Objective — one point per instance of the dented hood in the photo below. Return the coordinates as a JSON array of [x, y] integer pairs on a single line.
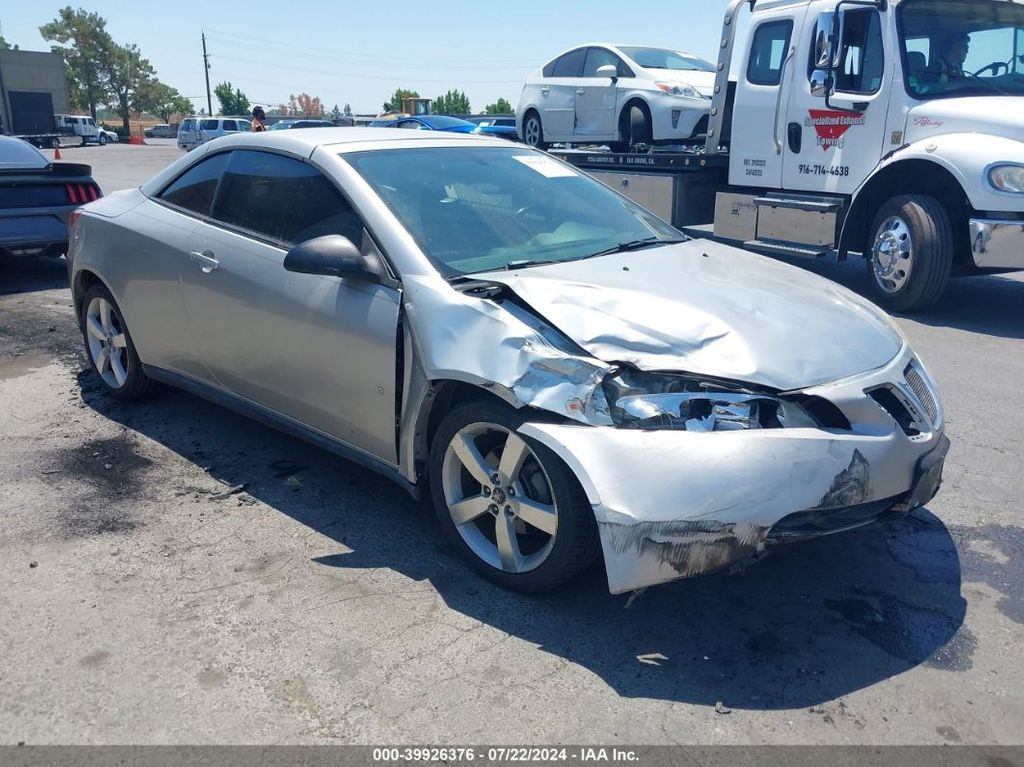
[[710, 309]]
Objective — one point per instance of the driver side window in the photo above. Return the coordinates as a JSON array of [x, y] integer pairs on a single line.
[[861, 56]]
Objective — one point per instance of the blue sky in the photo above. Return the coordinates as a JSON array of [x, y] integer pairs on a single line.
[[358, 53]]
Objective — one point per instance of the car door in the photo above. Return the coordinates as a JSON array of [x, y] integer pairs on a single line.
[[319, 350], [558, 96], [833, 148], [596, 97], [759, 121]]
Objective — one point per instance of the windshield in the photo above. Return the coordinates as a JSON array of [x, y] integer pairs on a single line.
[[963, 48], [659, 58], [441, 121], [475, 209]]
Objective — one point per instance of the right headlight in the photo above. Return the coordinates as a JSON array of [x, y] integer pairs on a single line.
[[640, 400], [679, 89], [1007, 178]]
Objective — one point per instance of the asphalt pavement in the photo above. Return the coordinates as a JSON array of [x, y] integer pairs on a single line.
[[175, 573]]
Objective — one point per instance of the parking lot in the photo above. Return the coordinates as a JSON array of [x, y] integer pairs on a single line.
[[175, 573]]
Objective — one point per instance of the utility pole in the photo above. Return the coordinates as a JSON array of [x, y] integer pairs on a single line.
[[206, 71]]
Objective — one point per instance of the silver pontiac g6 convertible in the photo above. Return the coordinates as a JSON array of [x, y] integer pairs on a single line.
[[561, 371]]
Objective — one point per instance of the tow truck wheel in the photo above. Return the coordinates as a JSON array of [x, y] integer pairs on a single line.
[[910, 253], [533, 131]]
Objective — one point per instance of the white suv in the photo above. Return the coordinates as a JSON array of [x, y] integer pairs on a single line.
[[621, 95], [194, 131]]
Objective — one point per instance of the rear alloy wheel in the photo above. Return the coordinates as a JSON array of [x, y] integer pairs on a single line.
[[510, 505], [533, 131], [910, 254], [109, 344]]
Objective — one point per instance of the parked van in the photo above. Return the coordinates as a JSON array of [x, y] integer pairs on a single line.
[[80, 126], [163, 130], [194, 131]]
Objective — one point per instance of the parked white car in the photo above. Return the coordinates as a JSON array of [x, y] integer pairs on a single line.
[[195, 131], [622, 95], [108, 136]]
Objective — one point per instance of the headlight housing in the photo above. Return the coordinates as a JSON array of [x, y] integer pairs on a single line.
[[679, 89], [1007, 178], [649, 401]]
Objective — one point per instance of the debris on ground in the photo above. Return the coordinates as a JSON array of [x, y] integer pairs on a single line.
[[234, 490], [720, 708]]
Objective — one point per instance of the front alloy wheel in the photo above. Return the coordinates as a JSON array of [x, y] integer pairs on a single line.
[[892, 258], [511, 507]]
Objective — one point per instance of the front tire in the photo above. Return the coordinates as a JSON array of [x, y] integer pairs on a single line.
[[910, 253], [110, 348], [640, 130], [533, 131], [103, 140], [510, 506]]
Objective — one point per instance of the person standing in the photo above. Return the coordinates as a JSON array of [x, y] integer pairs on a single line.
[[259, 120]]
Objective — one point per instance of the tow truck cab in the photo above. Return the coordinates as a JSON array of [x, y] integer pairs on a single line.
[[892, 129]]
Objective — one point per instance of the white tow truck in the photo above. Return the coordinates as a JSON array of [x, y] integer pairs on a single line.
[[889, 129]]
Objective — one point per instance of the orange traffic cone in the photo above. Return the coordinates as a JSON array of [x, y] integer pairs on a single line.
[[56, 152]]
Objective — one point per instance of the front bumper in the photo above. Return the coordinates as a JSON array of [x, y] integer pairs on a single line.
[[997, 244], [673, 504], [676, 118]]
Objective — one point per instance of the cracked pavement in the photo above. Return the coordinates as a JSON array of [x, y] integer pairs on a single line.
[[144, 602]]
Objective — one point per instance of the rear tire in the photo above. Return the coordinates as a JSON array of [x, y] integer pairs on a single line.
[[509, 505], [110, 348], [910, 254], [533, 131]]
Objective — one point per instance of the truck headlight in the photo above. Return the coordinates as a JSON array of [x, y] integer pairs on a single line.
[[679, 89], [649, 401], [1007, 178]]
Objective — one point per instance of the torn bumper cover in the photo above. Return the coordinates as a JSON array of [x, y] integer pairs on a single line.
[[673, 504]]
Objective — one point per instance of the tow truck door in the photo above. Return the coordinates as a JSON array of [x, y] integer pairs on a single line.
[[832, 148], [762, 80]]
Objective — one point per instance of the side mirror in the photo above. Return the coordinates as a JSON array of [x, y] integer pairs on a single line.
[[821, 83], [334, 256], [608, 70]]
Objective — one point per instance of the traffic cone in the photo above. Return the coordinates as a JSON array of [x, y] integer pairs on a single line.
[[56, 152]]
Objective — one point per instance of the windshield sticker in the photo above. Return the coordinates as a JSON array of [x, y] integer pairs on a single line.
[[831, 126], [546, 166]]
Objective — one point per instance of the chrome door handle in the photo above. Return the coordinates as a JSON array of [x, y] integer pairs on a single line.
[[545, 91], [205, 260], [580, 91]]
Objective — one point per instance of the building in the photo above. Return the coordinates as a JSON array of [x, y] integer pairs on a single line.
[[33, 88]]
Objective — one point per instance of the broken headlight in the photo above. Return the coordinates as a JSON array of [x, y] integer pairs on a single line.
[[640, 400]]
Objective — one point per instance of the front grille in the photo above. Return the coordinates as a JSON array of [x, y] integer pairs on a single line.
[[924, 395]]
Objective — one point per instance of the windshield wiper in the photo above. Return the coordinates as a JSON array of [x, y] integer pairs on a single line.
[[629, 247], [527, 262]]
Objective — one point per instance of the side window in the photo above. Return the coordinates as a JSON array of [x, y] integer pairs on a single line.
[[571, 64], [284, 199], [599, 57], [230, 125], [194, 189], [208, 125], [862, 58], [549, 69], [768, 52]]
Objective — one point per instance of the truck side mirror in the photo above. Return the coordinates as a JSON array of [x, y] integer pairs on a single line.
[[821, 83], [826, 41]]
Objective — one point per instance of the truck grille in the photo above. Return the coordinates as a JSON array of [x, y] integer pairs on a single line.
[[923, 393]]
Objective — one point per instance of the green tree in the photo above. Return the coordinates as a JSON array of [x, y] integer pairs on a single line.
[[452, 103], [347, 111], [232, 100], [86, 46], [499, 107], [396, 100], [163, 101], [6, 46], [129, 77], [335, 113]]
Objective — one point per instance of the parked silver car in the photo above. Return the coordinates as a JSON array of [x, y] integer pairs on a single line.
[[560, 370], [195, 131]]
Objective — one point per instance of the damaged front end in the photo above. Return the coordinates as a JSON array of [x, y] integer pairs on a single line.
[[686, 474]]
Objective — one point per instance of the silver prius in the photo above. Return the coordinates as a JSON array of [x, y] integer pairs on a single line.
[[562, 372]]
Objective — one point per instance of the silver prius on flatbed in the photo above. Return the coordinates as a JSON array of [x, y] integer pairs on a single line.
[[559, 369]]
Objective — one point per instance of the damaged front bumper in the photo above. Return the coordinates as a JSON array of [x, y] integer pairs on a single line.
[[673, 504]]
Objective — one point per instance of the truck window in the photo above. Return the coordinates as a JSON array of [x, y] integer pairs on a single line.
[[862, 57], [768, 52]]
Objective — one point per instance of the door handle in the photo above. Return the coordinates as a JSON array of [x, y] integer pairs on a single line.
[[796, 135], [545, 91], [580, 91], [204, 260]]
